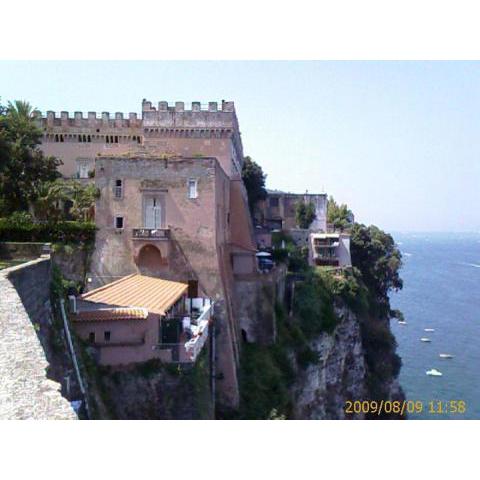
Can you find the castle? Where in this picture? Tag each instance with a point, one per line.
(172, 207)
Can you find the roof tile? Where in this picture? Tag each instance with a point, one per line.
(155, 294)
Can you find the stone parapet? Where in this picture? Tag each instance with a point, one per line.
(25, 390)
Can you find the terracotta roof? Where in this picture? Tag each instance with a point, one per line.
(154, 294)
(107, 314)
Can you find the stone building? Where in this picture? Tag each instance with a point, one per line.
(173, 130)
(172, 205)
(277, 211)
(139, 318)
(329, 249)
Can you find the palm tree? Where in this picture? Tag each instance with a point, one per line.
(20, 118)
(83, 200)
(49, 201)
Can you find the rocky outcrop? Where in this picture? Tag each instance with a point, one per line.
(343, 373)
(321, 390)
(150, 391)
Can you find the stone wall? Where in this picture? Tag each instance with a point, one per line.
(25, 316)
(23, 250)
(255, 301)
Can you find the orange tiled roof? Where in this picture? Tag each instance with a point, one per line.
(155, 294)
(111, 314)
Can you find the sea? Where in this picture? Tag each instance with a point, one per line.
(441, 276)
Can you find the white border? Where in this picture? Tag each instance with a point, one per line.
(251, 29)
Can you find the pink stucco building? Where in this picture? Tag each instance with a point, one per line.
(139, 318)
(172, 207)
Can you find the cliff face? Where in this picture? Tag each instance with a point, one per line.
(344, 371)
(149, 391)
(321, 390)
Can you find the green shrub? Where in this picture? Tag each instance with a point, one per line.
(18, 228)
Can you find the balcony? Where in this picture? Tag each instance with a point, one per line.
(150, 233)
(192, 335)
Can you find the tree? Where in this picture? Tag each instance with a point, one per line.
(23, 167)
(305, 214)
(339, 215)
(50, 199)
(83, 200)
(53, 197)
(254, 181)
(375, 254)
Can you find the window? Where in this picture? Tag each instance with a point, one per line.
(119, 222)
(118, 190)
(192, 188)
(106, 336)
(82, 168)
(91, 337)
(274, 202)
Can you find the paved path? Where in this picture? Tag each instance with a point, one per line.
(25, 391)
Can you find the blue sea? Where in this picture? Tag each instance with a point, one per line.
(441, 275)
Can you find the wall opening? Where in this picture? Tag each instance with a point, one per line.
(150, 261)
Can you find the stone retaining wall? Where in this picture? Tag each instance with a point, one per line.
(25, 390)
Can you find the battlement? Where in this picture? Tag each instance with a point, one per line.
(163, 106)
(209, 116)
(89, 120)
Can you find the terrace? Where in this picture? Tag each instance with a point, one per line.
(150, 233)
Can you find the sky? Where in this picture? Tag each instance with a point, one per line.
(399, 142)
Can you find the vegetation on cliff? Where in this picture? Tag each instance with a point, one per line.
(268, 372)
(339, 216)
(378, 260)
(254, 181)
(305, 214)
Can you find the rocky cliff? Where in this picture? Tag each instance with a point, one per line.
(343, 372)
(321, 390)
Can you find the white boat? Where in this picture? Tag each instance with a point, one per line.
(425, 339)
(445, 355)
(428, 329)
(402, 322)
(434, 373)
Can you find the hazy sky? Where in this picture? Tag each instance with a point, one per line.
(398, 141)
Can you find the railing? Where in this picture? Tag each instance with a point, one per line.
(151, 233)
(188, 352)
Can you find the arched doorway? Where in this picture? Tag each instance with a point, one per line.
(150, 261)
